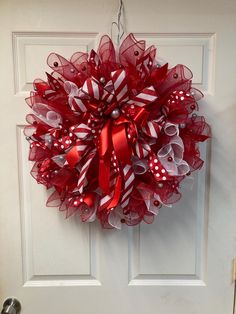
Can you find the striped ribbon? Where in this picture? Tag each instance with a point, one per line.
(74, 99)
(128, 175)
(84, 170)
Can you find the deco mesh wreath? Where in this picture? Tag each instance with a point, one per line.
(113, 133)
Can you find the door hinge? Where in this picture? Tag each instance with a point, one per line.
(234, 269)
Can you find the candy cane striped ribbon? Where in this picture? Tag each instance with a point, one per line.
(84, 170)
(80, 146)
(147, 96)
(120, 85)
(73, 97)
(141, 150)
(108, 94)
(78, 104)
(145, 63)
(93, 88)
(82, 131)
(106, 199)
(128, 175)
(152, 129)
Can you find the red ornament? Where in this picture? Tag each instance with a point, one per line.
(106, 132)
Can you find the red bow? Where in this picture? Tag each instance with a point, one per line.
(115, 137)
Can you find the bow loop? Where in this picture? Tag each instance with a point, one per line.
(74, 97)
(93, 89)
(120, 86)
(171, 157)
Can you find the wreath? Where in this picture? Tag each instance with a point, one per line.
(114, 133)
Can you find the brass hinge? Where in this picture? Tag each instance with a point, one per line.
(234, 269)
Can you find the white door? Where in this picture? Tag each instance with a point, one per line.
(182, 264)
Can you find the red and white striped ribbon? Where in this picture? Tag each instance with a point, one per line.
(74, 97)
(104, 202)
(141, 150)
(93, 88)
(161, 120)
(152, 129)
(78, 104)
(147, 96)
(128, 175)
(106, 199)
(81, 146)
(108, 94)
(84, 170)
(82, 131)
(120, 85)
(144, 64)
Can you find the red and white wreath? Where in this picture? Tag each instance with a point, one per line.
(113, 133)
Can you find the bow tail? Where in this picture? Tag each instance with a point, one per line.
(120, 143)
(104, 174)
(105, 149)
(112, 138)
(117, 193)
